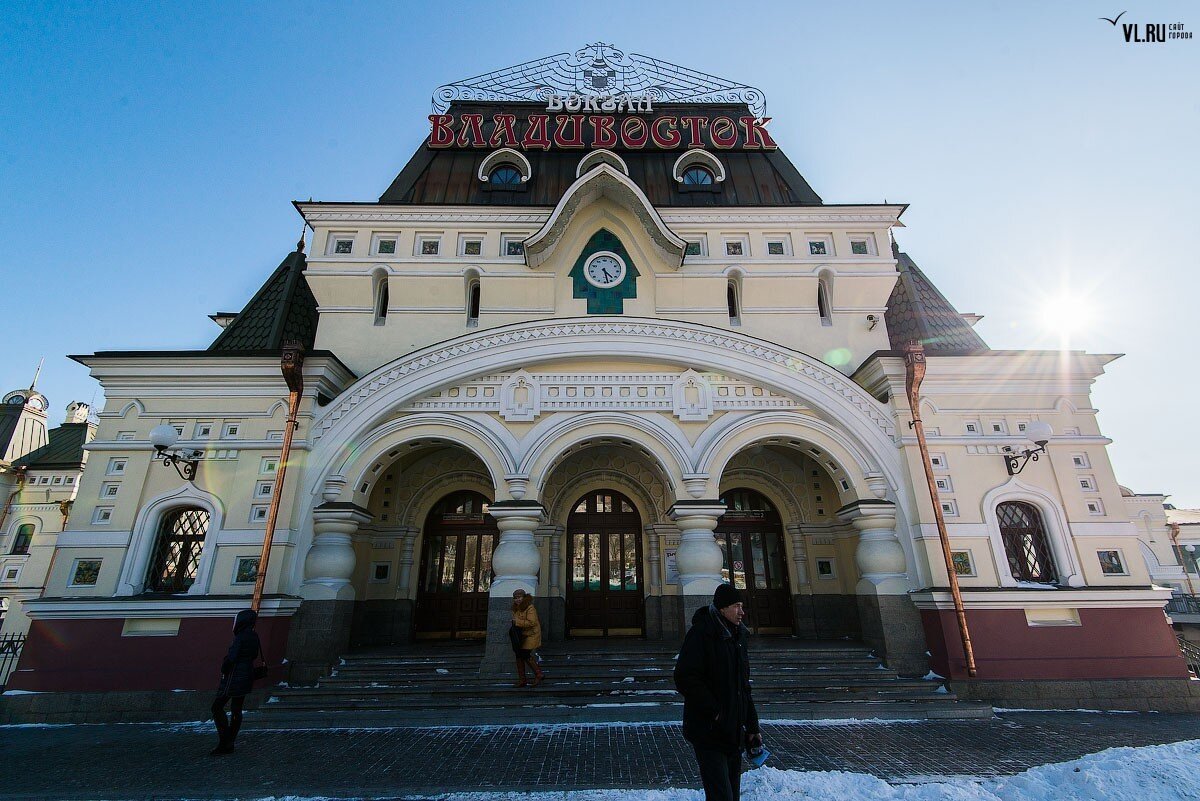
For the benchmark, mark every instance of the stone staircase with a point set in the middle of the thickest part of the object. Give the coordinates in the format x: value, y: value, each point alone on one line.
x: 586, y: 681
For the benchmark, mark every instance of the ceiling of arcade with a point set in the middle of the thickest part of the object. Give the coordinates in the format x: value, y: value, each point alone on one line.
x: 622, y: 467
x: 801, y: 489
x: 411, y: 485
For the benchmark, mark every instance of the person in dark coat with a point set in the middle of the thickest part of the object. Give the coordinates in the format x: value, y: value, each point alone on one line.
x: 237, y: 679
x: 712, y: 673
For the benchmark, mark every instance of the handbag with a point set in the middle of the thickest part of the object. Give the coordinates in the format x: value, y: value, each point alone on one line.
x: 260, y: 672
x: 515, y: 636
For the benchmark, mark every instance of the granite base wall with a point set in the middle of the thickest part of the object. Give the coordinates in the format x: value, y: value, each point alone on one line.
x: 381, y: 622
x: 320, y: 634
x: 1140, y: 695
x: 150, y: 706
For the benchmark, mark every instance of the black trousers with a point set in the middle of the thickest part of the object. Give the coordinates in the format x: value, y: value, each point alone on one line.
x: 227, y: 728
x: 721, y: 774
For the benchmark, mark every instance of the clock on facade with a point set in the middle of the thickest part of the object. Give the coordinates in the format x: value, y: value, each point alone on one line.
x: 604, y: 269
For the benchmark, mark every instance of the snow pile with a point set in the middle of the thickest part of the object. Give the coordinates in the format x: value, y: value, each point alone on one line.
x: 1153, y: 773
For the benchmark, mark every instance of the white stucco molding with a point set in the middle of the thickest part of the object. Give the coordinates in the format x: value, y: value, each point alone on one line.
x: 505, y: 155
x: 145, y: 530
x: 701, y: 157
x: 1058, y: 530
x: 1055, y: 598
x: 601, y: 157
x: 604, y: 181
x: 172, y: 607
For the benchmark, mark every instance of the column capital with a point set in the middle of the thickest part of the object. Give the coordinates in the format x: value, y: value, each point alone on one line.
x: 517, y: 513
x: 341, y: 511
x: 869, y: 513
x: 695, y: 511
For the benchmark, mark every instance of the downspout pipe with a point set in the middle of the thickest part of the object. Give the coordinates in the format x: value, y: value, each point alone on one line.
x: 914, y: 373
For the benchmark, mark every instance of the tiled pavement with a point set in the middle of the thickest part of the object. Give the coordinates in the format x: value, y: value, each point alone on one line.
x: 133, y: 761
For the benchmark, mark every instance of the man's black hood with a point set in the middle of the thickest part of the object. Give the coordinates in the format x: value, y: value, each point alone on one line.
x: 709, y: 619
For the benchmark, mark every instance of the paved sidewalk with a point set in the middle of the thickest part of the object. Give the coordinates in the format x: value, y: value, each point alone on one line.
x: 143, y: 761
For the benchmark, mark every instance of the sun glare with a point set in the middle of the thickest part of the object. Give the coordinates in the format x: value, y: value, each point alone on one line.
x: 1067, y: 314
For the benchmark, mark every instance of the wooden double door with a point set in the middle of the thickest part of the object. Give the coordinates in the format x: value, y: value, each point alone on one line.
x: 605, y: 594
x: 750, y: 534
x: 456, y: 569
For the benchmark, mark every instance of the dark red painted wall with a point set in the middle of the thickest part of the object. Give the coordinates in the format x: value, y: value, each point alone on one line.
x: 1110, y: 644
x: 92, y: 656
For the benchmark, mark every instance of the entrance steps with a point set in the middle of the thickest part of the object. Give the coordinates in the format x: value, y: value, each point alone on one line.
x: 594, y: 682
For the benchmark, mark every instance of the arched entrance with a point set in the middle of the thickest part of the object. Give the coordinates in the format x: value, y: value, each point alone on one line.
x: 750, y: 534
x: 456, y: 569
x: 605, y: 594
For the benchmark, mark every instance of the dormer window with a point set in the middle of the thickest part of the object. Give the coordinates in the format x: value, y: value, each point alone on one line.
x: 697, y: 176
x: 505, y: 175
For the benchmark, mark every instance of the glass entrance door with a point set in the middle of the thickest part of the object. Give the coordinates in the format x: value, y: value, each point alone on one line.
x: 456, y: 569
x: 751, y: 537
x: 605, y: 597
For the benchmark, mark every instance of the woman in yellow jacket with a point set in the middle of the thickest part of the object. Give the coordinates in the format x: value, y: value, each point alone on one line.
x: 525, y: 618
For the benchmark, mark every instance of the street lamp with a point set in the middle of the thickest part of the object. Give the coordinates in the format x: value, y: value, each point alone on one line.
x: 163, y: 438
x: 1039, y: 434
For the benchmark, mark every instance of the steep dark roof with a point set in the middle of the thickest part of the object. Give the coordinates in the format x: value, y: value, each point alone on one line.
x: 451, y: 176
x: 64, y: 450
x: 283, y: 309
x: 10, y: 413
x: 917, y: 310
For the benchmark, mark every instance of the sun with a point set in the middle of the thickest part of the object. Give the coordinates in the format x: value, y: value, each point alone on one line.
x: 1067, y: 313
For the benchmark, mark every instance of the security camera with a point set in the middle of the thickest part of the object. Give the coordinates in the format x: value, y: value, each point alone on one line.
x: 872, y: 321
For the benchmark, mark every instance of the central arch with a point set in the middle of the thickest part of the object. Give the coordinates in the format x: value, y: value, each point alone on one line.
x: 605, y: 575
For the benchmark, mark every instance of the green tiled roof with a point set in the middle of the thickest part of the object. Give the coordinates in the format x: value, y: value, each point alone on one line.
x: 917, y: 310
x: 283, y: 309
x: 64, y: 450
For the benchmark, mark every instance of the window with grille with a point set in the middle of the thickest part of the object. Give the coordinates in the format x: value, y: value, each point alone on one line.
x: 177, y: 552
x: 1025, y: 542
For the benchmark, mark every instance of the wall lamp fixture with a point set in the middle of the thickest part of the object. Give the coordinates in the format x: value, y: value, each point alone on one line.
x: 1039, y: 434
x: 163, y: 438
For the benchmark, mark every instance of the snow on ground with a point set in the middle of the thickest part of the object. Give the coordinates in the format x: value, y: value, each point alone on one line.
x: 1152, y: 773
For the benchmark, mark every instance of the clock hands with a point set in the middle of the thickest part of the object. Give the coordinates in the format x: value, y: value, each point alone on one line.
x: 607, y: 277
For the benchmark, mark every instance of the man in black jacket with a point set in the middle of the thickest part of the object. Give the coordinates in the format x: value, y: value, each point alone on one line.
x: 713, y: 674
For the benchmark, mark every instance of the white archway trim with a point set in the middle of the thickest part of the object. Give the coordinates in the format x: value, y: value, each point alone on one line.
x: 702, y: 158
x: 666, y: 444
x: 505, y: 155
x: 724, y: 440
x: 604, y: 181
x: 426, y: 496
x: 1058, y: 530
x: 525, y: 344
x: 770, y: 487
x: 145, y: 529
x: 601, y: 157
x: 493, y: 448
x: 134, y: 406
x: 595, y: 480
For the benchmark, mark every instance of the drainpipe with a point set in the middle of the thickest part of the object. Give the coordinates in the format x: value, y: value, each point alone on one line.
x: 291, y: 364
x: 914, y: 373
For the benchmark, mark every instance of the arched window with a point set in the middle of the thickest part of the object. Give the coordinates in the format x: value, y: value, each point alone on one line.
x: 22, y: 539
x: 1025, y: 542
x: 697, y: 176
x: 731, y: 300
x: 381, y: 297
x: 177, y: 550
x: 473, y: 303
x: 505, y: 175
x: 823, y: 301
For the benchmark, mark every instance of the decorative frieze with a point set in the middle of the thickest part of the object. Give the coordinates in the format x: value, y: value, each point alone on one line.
x: 523, y: 396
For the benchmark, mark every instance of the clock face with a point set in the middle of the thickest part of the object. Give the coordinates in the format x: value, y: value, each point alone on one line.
x: 37, y: 403
x: 17, y: 399
x: 604, y: 269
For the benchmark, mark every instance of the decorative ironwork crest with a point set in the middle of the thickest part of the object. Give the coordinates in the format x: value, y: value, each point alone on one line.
x: 599, y: 70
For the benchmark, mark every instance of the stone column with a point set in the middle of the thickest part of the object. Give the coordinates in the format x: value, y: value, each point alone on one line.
x: 554, y: 624
x: 890, y: 622
x: 699, y: 558
x: 515, y: 562
x: 320, y: 630
x: 803, y: 610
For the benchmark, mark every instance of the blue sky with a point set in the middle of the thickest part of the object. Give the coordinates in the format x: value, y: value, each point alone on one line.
x: 149, y: 154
